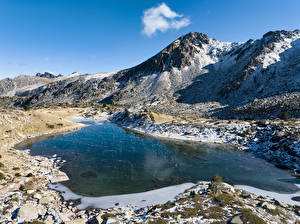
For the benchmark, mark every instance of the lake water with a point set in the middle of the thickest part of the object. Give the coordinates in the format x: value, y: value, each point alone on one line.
x: 104, y: 159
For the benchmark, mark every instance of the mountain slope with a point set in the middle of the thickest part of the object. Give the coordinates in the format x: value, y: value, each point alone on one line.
x: 195, y: 75
x: 12, y: 87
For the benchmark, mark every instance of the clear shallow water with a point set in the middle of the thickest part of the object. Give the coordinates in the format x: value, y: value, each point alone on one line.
x: 104, y: 159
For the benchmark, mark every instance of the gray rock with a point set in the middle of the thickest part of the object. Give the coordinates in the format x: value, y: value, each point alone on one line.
x: 77, y: 221
x: 268, y: 206
x: 46, y: 200
x: 30, y: 191
x: 49, y: 220
x: 99, y: 217
x: 247, y: 195
x: 236, y: 220
x: 37, y: 196
x: 58, y: 176
x: 28, y: 212
x: 228, y: 188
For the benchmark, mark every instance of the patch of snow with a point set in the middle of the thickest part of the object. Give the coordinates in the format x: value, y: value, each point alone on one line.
x: 137, y: 200
x: 280, y: 47
x: 100, y: 75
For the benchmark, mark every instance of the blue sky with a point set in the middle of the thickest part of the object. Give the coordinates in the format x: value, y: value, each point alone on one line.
x: 87, y: 36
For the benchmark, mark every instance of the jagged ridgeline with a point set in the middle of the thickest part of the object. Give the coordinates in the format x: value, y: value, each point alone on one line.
x: 193, y: 75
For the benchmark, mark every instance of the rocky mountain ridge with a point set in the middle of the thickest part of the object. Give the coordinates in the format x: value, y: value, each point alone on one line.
x: 48, y: 75
x: 195, y: 74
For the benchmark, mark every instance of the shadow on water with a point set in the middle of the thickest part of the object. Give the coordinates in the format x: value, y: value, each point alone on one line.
x: 105, y: 159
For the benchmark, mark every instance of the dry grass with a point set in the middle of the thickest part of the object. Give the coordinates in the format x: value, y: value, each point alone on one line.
x: 161, y: 118
x: 16, y: 125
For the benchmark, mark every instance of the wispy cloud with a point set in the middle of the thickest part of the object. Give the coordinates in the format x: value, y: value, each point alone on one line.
x: 162, y: 18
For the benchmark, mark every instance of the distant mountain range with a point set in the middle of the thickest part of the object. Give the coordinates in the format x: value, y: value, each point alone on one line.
x: 194, y: 75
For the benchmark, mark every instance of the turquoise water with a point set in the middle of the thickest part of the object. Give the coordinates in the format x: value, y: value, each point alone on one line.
x: 104, y: 159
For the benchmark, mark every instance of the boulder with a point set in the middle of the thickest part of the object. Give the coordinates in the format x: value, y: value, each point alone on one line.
x: 65, y: 217
x: 58, y: 176
x: 268, y: 206
x: 37, y: 196
x: 178, y: 218
x: 77, y: 221
x: 247, y: 195
x: 236, y: 220
x: 49, y: 220
x: 99, y: 217
x: 28, y: 212
x: 112, y: 221
x: 227, y: 188
x: 46, y: 200
x: 30, y: 191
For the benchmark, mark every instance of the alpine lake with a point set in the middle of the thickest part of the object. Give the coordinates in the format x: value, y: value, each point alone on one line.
x: 104, y: 159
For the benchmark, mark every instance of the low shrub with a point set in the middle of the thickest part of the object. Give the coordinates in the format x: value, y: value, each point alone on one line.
x: 108, y: 215
x: 285, y: 116
x: 215, y: 212
x: 247, y: 216
x: 29, y: 175
x: 215, y: 182
x: 15, y: 199
x: 190, y: 212
x: 127, y: 112
x: 50, y: 126
x: 151, y: 117
x: 138, y: 116
x: 1, y: 165
x: 27, y: 108
x: 22, y: 187
x: 224, y: 199
x: 2, y: 176
x: 217, y: 178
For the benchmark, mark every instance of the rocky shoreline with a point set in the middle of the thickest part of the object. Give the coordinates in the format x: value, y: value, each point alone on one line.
x: 26, y: 198
x: 277, y: 141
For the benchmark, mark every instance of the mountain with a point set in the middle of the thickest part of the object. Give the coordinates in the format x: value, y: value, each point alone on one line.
x: 22, y: 83
x: 195, y: 75
x: 48, y: 75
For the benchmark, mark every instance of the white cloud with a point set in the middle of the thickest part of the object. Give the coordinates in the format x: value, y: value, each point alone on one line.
x: 162, y: 18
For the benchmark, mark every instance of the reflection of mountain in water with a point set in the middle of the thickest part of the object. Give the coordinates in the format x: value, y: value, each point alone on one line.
x: 194, y: 149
